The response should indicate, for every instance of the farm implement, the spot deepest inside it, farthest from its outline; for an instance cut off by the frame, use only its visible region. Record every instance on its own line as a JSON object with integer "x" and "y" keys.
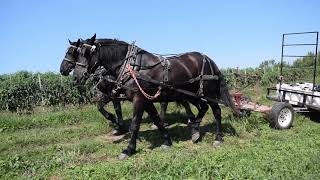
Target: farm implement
{"x": 290, "y": 97}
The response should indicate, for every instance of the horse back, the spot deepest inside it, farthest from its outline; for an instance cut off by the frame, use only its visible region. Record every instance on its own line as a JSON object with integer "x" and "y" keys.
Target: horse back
{"x": 186, "y": 66}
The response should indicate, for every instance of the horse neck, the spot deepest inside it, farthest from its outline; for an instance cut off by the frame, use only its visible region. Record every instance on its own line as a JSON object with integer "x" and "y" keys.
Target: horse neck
{"x": 149, "y": 59}
{"x": 111, "y": 56}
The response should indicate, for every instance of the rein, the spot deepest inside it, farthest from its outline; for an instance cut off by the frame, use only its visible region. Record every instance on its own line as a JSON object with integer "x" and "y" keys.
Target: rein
{"x": 133, "y": 75}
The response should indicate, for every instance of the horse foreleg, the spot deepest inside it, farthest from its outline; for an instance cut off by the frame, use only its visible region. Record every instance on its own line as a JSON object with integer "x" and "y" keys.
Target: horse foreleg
{"x": 121, "y": 125}
{"x": 164, "y": 106}
{"x": 117, "y": 109}
{"x": 134, "y": 128}
{"x": 106, "y": 114}
{"x": 218, "y": 129}
{"x": 152, "y": 111}
{"x": 120, "y": 128}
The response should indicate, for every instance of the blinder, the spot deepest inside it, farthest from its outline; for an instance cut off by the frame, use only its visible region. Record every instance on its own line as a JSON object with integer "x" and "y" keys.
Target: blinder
{"x": 72, "y": 49}
{"x": 92, "y": 48}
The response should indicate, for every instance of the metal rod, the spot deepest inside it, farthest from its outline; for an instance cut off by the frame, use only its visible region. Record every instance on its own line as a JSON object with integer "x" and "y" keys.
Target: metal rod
{"x": 301, "y": 33}
{"x": 294, "y": 92}
{"x": 315, "y": 65}
{"x": 299, "y": 44}
{"x": 298, "y": 80}
{"x": 281, "y": 59}
{"x": 299, "y": 67}
{"x": 296, "y": 56}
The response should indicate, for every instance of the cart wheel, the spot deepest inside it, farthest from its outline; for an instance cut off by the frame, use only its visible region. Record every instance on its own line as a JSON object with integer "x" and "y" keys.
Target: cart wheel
{"x": 245, "y": 113}
{"x": 282, "y": 115}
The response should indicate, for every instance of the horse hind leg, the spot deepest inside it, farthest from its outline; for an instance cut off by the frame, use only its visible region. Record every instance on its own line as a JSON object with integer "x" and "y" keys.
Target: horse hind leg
{"x": 216, "y": 110}
{"x": 194, "y": 123}
{"x": 203, "y": 108}
{"x": 195, "y": 126}
{"x": 164, "y": 106}
{"x": 187, "y": 107}
{"x": 152, "y": 111}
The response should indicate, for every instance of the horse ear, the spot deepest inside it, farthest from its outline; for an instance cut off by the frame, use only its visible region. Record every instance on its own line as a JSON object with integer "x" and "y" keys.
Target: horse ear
{"x": 93, "y": 38}
{"x": 78, "y": 43}
{"x": 70, "y": 42}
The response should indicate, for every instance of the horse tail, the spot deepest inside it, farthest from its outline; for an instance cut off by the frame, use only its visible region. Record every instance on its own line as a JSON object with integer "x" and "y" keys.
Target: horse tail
{"x": 226, "y": 97}
{"x": 224, "y": 90}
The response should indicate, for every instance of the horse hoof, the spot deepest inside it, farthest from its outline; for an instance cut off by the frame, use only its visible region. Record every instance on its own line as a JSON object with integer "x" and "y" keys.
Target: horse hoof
{"x": 118, "y": 132}
{"x": 217, "y": 143}
{"x": 122, "y": 156}
{"x": 195, "y": 137}
{"x": 115, "y": 132}
{"x": 153, "y": 127}
{"x": 164, "y": 147}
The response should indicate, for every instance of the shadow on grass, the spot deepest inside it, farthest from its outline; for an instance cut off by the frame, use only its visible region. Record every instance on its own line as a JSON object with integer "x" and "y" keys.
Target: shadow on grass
{"x": 179, "y": 131}
{"x": 153, "y": 135}
{"x": 175, "y": 117}
{"x": 314, "y": 116}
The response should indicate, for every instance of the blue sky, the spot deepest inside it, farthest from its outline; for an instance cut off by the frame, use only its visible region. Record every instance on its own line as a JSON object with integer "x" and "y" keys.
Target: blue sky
{"x": 243, "y": 33}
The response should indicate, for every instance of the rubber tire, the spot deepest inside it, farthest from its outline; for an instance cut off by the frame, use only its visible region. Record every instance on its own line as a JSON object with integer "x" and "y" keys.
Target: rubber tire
{"x": 276, "y": 108}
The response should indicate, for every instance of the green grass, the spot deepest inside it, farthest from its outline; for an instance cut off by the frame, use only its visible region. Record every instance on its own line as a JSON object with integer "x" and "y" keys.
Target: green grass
{"x": 73, "y": 144}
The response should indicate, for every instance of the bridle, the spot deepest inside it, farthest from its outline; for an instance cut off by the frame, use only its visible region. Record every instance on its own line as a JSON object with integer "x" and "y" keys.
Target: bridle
{"x": 86, "y": 65}
{"x": 95, "y": 48}
{"x": 73, "y": 49}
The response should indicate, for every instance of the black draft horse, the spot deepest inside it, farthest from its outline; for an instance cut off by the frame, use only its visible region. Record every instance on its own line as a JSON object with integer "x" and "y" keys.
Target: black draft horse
{"x": 153, "y": 69}
{"x": 68, "y": 64}
{"x": 193, "y": 121}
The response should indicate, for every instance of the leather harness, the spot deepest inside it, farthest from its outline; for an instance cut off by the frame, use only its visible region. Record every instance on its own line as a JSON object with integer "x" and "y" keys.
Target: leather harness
{"x": 134, "y": 59}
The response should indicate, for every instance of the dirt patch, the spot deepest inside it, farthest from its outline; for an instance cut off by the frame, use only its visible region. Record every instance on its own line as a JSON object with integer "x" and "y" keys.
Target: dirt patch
{"x": 111, "y": 138}
{"x": 55, "y": 178}
{"x": 72, "y": 127}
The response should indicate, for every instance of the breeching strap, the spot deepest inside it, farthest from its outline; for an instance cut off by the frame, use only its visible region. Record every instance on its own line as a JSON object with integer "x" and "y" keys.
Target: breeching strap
{"x": 133, "y": 75}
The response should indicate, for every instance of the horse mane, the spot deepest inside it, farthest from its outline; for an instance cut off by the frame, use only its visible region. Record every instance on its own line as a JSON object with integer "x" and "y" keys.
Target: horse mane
{"x": 111, "y": 41}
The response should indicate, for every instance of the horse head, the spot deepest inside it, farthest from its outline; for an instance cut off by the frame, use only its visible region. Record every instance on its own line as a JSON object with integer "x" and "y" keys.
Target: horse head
{"x": 69, "y": 61}
{"x": 87, "y": 60}
{"x": 108, "y": 53}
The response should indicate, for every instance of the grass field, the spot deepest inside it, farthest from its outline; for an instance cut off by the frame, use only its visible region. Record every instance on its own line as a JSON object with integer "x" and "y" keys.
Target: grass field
{"x": 74, "y": 143}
